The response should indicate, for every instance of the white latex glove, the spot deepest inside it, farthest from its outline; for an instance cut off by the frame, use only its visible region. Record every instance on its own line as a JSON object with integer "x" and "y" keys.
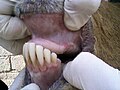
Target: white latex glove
{"x": 19, "y": 80}
{"x": 88, "y": 72}
{"x": 13, "y": 32}
{"x": 78, "y": 12}
{"x": 31, "y": 86}
{"x": 18, "y": 83}
{"x": 6, "y": 7}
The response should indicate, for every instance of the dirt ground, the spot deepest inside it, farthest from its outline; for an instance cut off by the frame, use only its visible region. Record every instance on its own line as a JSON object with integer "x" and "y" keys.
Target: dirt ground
{"x": 107, "y": 33}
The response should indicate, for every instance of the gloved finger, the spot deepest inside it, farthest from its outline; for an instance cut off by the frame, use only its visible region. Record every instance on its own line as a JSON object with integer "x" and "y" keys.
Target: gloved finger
{"x": 70, "y": 75}
{"x": 19, "y": 80}
{"x": 87, "y": 71}
{"x": 14, "y": 46}
{"x": 12, "y": 28}
{"x": 31, "y": 86}
{"x": 78, "y": 12}
{"x": 7, "y": 7}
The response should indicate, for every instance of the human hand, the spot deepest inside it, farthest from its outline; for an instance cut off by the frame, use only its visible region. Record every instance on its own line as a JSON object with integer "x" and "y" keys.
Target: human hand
{"x": 78, "y": 12}
{"x": 13, "y": 32}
